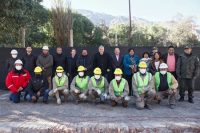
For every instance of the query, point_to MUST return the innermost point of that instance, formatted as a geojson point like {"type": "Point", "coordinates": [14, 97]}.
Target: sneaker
{"type": "Point", "coordinates": [181, 99]}
{"type": "Point", "coordinates": [190, 100]}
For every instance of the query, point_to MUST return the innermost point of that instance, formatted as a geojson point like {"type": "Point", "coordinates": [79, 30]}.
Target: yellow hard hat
{"type": "Point", "coordinates": [59, 69]}
{"type": "Point", "coordinates": [38, 69]}
{"type": "Point", "coordinates": [97, 71]}
{"type": "Point", "coordinates": [118, 71]}
{"type": "Point", "coordinates": [142, 64]}
{"type": "Point", "coordinates": [81, 68]}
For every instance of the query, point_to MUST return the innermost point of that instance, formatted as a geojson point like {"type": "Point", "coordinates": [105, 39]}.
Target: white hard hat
{"type": "Point", "coordinates": [45, 48]}
{"type": "Point", "coordinates": [18, 62]}
{"type": "Point", "coordinates": [14, 51]}
{"type": "Point", "coordinates": [163, 66]}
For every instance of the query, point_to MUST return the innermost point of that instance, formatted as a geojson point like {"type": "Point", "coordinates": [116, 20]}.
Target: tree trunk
{"type": "Point", "coordinates": [23, 37]}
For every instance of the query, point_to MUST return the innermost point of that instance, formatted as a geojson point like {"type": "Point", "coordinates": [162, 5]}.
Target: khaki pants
{"type": "Point", "coordinates": [49, 82]}
{"type": "Point", "coordinates": [144, 99]}
{"type": "Point", "coordinates": [58, 93]}
{"type": "Point", "coordinates": [77, 96]}
{"type": "Point", "coordinates": [165, 94]}
{"type": "Point", "coordinates": [114, 101]}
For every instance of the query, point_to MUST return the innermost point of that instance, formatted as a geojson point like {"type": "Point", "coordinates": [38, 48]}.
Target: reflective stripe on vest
{"type": "Point", "coordinates": [157, 80]}
{"type": "Point", "coordinates": [60, 81]}
{"type": "Point", "coordinates": [100, 85]}
{"type": "Point", "coordinates": [141, 84]}
{"type": "Point", "coordinates": [118, 89]}
{"type": "Point", "coordinates": [82, 83]}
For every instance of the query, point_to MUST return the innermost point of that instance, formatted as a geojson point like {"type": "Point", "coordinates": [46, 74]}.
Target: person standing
{"type": "Point", "coordinates": [85, 60]}
{"type": "Point", "coordinates": [59, 59]}
{"type": "Point", "coordinates": [29, 60]}
{"type": "Point", "coordinates": [45, 61]}
{"type": "Point", "coordinates": [155, 63]}
{"type": "Point", "coordinates": [72, 68]}
{"type": "Point", "coordinates": [10, 62]}
{"type": "Point", "coordinates": [171, 59]}
{"type": "Point", "coordinates": [17, 81]}
{"type": "Point", "coordinates": [130, 63]}
{"type": "Point", "coordinates": [102, 60]}
{"type": "Point", "coordinates": [187, 71]}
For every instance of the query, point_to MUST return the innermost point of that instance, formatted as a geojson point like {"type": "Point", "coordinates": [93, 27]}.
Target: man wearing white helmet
{"type": "Point", "coordinates": [17, 81]}
{"type": "Point", "coordinates": [45, 61]}
{"type": "Point", "coordinates": [10, 62]}
{"type": "Point", "coordinates": [166, 85]}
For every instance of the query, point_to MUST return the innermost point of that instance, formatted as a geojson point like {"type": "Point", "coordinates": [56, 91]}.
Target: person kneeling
{"type": "Point", "coordinates": [143, 87]}
{"type": "Point", "coordinates": [119, 89]}
{"type": "Point", "coordinates": [79, 85]}
{"type": "Point", "coordinates": [38, 86]}
{"type": "Point", "coordinates": [60, 85]}
{"type": "Point", "coordinates": [17, 81]}
{"type": "Point", "coordinates": [166, 85]}
{"type": "Point", "coordinates": [98, 86]}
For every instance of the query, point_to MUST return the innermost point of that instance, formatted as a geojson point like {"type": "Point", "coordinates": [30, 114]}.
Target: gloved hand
{"type": "Point", "coordinates": [77, 91]}
{"type": "Point", "coordinates": [55, 90]}
{"type": "Point", "coordinates": [99, 92]}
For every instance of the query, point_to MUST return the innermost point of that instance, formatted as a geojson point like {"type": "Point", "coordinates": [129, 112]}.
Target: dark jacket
{"type": "Point", "coordinates": [152, 67]}
{"type": "Point", "coordinates": [59, 60]}
{"type": "Point", "coordinates": [46, 62]}
{"type": "Point", "coordinates": [164, 58]}
{"type": "Point", "coordinates": [84, 61]}
{"type": "Point", "coordinates": [37, 83]}
{"type": "Point", "coordinates": [29, 62]}
{"type": "Point", "coordinates": [187, 66]}
{"type": "Point", "coordinates": [72, 68]}
{"type": "Point", "coordinates": [117, 63]}
{"type": "Point", "coordinates": [10, 64]}
{"type": "Point", "coordinates": [103, 62]}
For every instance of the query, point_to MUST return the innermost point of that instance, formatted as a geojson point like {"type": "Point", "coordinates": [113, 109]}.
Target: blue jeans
{"type": "Point", "coordinates": [15, 97]}
{"type": "Point", "coordinates": [44, 94]}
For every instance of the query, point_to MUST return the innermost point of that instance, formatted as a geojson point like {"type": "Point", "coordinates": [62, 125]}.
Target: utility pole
{"type": "Point", "coordinates": [130, 24]}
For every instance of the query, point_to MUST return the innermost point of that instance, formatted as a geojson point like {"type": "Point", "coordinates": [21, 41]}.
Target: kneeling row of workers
{"type": "Point", "coordinates": [145, 86]}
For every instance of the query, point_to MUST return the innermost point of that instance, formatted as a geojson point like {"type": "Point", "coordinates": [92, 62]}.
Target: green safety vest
{"type": "Point", "coordinates": [118, 90]}
{"type": "Point", "coordinates": [60, 81]}
{"type": "Point", "coordinates": [157, 80]}
{"type": "Point", "coordinates": [82, 83]}
{"type": "Point", "coordinates": [99, 86]}
{"type": "Point", "coordinates": [141, 84]}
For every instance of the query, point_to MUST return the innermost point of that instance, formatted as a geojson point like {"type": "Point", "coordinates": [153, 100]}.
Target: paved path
{"type": "Point", "coordinates": [87, 117]}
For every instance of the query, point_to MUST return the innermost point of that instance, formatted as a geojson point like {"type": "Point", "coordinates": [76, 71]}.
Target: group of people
{"type": "Point", "coordinates": [103, 77]}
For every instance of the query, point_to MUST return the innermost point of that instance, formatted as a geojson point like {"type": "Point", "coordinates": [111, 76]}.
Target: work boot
{"type": "Point", "coordinates": [125, 104]}
{"type": "Point", "coordinates": [58, 101]}
{"type": "Point", "coordinates": [113, 103]}
{"type": "Point", "coordinates": [190, 100]}
{"type": "Point", "coordinates": [181, 99]}
{"type": "Point", "coordinates": [159, 101]}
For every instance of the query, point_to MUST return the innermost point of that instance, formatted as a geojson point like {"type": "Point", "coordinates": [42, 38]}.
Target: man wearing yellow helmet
{"type": "Point", "coordinates": [119, 89]}
{"type": "Point", "coordinates": [143, 87]}
{"type": "Point", "coordinates": [79, 85]}
{"type": "Point", "coordinates": [60, 85]}
{"type": "Point", "coordinates": [38, 86]}
{"type": "Point", "coordinates": [98, 86]}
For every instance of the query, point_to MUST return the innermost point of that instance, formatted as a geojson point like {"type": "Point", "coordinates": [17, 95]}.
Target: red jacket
{"type": "Point", "coordinates": [15, 80]}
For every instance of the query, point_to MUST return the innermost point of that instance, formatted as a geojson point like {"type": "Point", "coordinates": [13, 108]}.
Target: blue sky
{"type": "Point", "coordinates": [152, 10]}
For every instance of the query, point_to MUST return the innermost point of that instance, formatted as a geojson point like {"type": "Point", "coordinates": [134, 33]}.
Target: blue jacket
{"type": "Point", "coordinates": [127, 62]}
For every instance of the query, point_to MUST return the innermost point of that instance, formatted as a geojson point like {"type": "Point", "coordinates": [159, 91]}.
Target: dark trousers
{"type": "Point", "coordinates": [174, 74]}
{"type": "Point", "coordinates": [129, 80]}
{"type": "Point", "coordinates": [186, 84]}
{"type": "Point", "coordinates": [44, 94]}
{"type": "Point", "coordinates": [15, 97]}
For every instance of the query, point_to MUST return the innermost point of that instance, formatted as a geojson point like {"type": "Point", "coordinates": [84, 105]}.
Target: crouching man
{"type": "Point", "coordinates": [60, 85]}
{"type": "Point", "coordinates": [17, 81]}
{"type": "Point", "coordinates": [143, 87]}
{"type": "Point", "coordinates": [166, 85]}
{"type": "Point", "coordinates": [38, 86]}
{"type": "Point", "coordinates": [79, 85]}
{"type": "Point", "coordinates": [98, 86]}
{"type": "Point", "coordinates": [119, 89]}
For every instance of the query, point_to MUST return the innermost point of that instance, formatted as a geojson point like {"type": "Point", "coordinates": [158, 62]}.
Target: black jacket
{"type": "Point", "coordinates": [60, 60]}
{"type": "Point", "coordinates": [187, 66]}
{"type": "Point", "coordinates": [84, 61]}
{"type": "Point", "coordinates": [29, 62]}
{"type": "Point", "coordinates": [10, 64]}
{"type": "Point", "coordinates": [37, 83]}
{"type": "Point", "coordinates": [103, 62]}
{"type": "Point", "coordinates": [117, 63]}
{"type": "Point", "coordinates": [72, 68]}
